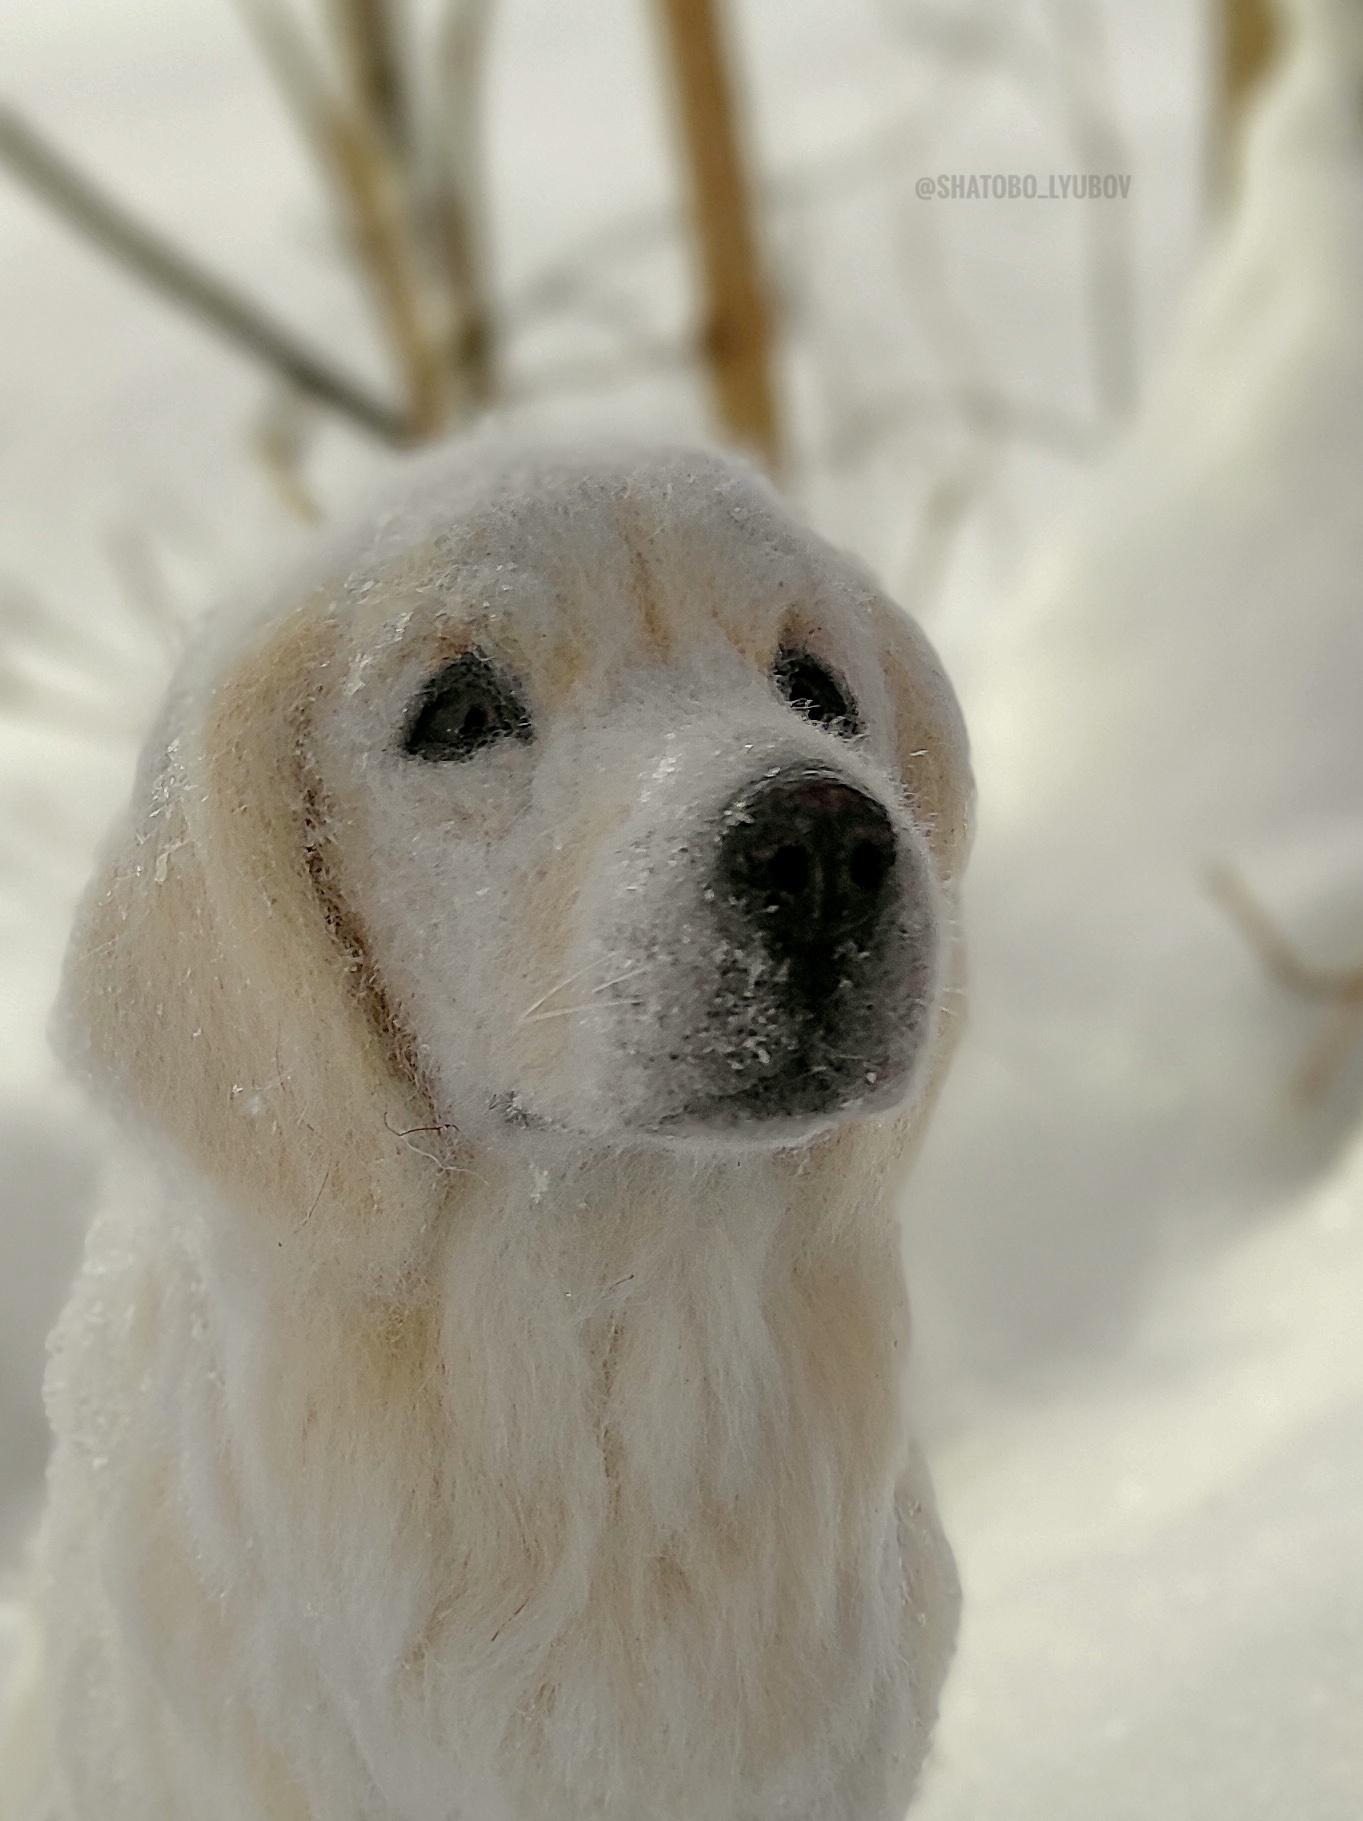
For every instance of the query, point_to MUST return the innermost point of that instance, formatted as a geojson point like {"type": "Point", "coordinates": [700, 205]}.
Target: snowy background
{"type": "Point", "coordinates": [1111, 453]}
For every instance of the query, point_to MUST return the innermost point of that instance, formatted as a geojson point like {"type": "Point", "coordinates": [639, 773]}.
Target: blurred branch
{"type": "Point", "coordinates": [1245, 40]}
{"type": "Point", "coordinates": [136, 562]}
{"type": "Point", "coordinates": [736, 339]}
{"type": "Point", "coordinates": [952, 497]}
{"type": "Point", "coordinates": [1092, 103]}
{"type": "Point", "coordinates": [1281, 961]}
{"type": "Point", "coordinates": [370, 34]}
{"type": "Point", "coordinates": [970, 408]}
{"type": "Point", "coordinates": [994, 38]}
{"type": "Point", "coordinates": [458, 190]}
{"type": "Point", "coordinates": [1248, 38]}
{"type": "Point", "coordinates": [366, 178]}
{"type": "Point", "coordinates": [985, 412]}
{"type": "Point", "coordinates": [50, 660]}
{"type": "Point", "coordinates": [281, 441]}
{"type": "Point", "coordinates": [178, 278]}
{"type": "Point", "coordinates": [1339, 989]}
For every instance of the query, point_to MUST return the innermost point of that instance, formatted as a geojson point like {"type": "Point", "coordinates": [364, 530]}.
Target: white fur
{"type": "Point", "coordinates": [412, 1462]}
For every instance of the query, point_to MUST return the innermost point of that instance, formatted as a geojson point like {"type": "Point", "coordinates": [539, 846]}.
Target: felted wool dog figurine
{"type": "Point", "coordinates": [522, 969]}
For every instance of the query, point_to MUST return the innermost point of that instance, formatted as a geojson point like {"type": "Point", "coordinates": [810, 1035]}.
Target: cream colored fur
{"type": "Point", "coordinates": [409, 1463]}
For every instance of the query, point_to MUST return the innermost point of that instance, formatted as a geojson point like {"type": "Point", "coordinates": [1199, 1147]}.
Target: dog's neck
{"type": "Point", "coordinates": [650, 1314]}
{"type": "Point", "coordinates": [636, 1410]}
{"type": "Point", "coordinates": [740, 1271]}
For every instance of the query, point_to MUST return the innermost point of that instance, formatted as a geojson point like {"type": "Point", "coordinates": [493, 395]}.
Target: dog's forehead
{"type": "Point", "coordinates": [597, 558]}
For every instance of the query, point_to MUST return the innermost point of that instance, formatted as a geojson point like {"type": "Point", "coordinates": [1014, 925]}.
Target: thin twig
{"type": "Point", "coordinates": [208, 299]}
{"type": "Point", "coordinates": [1337, 986]}
{"type": "Point", "coordinates": [585, 374]}
{"type": "Point", "coordinates": [737, 336]}
{"type": "Point", "coordinates": [136, 562]}
{"type": "Point", "coordinates": [1100, 147]}
{"type": "Point", "coordinates": [366, 179]}
{"type": "Point", "coordinates": [1248, 37]}
{"type": "Point", "coordinates": [1331, 1050]}
{"type": "Point", "coordinates": [952, 497]}
{"type": "Point", "coordinates": [384, 244]}
{"type": "Point", "coordinates": [1339, 989]}
{"type": "Point", "coordinates": [457, 200]}
{"type": "Point", "coordinates": [281, 440]}
{"type": "Point", "coordinates": [370, 34]}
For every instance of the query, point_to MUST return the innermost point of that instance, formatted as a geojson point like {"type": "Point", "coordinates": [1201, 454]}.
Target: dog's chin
{"type": "Point", "coordinates": [777, 1113]}
{"type": "Point", "coordinates": [770, 1113]}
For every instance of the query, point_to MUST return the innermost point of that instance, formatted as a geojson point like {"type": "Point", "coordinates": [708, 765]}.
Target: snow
{"type": "Point", "coordinates": [1135, 1247]}
{"type": "Point", "coordinates": [1164, 1612]}
{"type": "Point", "coordinates": [1176, 688]}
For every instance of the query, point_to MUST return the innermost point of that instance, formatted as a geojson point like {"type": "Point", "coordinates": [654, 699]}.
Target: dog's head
{"type": "Point", "coordinates": [584, 793]}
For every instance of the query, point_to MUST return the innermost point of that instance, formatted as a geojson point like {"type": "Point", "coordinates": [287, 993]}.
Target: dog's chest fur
{"type": "Point", "coordinates": [610, 1513]}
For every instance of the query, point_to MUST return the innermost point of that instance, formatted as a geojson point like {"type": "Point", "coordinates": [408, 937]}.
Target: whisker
{"type": "Point", "coordinates": [568, 980]}
{"type": "Point", "coordinates": [543, 999]}
{"type": "Point", "coordinates": [572, 1011]}
{"type": "Point", "coordinates": [632, 974]}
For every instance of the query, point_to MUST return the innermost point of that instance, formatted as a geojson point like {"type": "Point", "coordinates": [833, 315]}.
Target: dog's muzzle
{"type": "Point", "coordinates": [823, 959]}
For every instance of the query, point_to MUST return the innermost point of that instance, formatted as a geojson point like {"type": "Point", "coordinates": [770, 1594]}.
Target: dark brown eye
{"type": "Point", "coordinates": [812, 688]}
{"type": "Point", "coordinates": [465, 708]}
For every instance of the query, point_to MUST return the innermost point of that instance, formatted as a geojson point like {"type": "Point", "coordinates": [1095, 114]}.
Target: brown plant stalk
{"type": "Point", "coordinates": [366, 178]}
{"type": "Point", "coordinates": [736, 336]}
{"type": "Point", "coordinates": [1340, 989]}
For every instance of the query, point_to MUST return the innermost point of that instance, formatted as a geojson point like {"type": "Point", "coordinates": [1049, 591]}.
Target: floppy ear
{"type": "Point", "coordinates": [930, 741]}
{"type": "Point", "coordinates": [212, 991]}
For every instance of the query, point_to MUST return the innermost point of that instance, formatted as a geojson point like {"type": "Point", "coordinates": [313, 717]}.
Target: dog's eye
{"type": "Point", "coordinates": [812, 688]}
{"type": "Point", "coordinates": [468, 706]}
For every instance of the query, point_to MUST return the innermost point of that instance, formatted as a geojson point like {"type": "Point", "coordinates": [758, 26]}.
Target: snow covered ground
{"type": "Point", "coordinates": [1138, 1245]}
{"type": "Point", "coordinates": [1164, 1605]}
{"type": "Point", "coordinates": [1137, 1251]}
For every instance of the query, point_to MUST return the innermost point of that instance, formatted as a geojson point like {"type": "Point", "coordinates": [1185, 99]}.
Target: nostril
{"type": "Point", "coordinates": [789, 871]}
{"type": "Point", "coordinates": [867, 865]}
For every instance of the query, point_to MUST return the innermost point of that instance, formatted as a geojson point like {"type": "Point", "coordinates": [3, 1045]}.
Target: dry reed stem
{"type": "Point", "coordinates": [736, 340]}
{"type": "Point", "coordinates": [1340, 989]}
{"type": "Point", "coordinates": [366, 178]}
{"type": "Point", "coordinates": [380, 224]}
{"type": "Point", "coordinates": [1091, 102]}
{"type": "Point", "coordinates": [1248, 39]}
{"type": "Point", "coordinates": [1281, 961]}
{"type": "Point", "coordinates": [370, 34]}
{"type": "Point", "coordinates": [280, 440]}
{"type": "Point", "coordinates": [174, 275]}
{"type": "Point", "coordinates": [457, 191]}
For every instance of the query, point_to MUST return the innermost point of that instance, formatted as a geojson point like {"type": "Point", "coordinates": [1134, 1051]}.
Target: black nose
{"type": "Point", "coordinates": [808, 858]}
